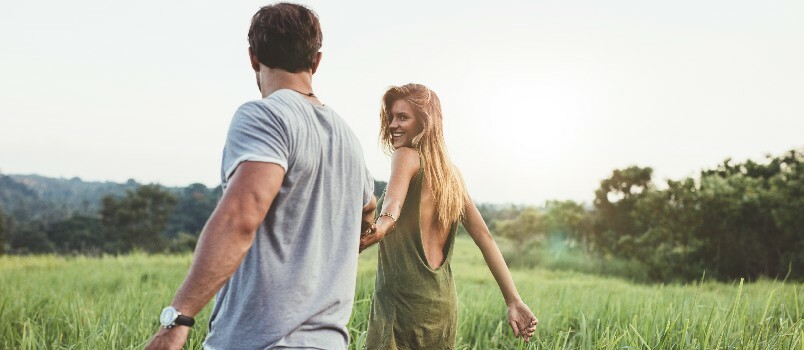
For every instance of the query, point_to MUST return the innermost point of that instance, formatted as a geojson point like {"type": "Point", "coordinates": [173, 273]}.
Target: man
{"type": "Point", "coordinates": [281, 247]}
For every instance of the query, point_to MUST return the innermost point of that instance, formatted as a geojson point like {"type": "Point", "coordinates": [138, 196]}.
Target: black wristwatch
{"type": "Point", "coordinates": [171, 317]}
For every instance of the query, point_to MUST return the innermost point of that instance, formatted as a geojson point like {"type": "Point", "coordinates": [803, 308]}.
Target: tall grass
{"type": "Point", "coordinates": [51, 302]}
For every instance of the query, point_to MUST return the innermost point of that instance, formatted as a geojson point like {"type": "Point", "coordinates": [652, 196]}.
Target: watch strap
{"type": "Point", "coordinates": [184, 321]}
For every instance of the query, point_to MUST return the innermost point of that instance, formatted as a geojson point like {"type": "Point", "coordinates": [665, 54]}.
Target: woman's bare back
{"type": "Point", "coordinates": [434, 238]}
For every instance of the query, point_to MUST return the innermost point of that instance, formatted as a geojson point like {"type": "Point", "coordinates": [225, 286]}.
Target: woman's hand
{"type": "Point", "coordinates": [521, 320]}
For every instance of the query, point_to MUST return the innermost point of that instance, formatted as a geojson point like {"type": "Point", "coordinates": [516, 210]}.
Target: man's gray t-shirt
{"type": "Point", "coordinates": [295, 287]}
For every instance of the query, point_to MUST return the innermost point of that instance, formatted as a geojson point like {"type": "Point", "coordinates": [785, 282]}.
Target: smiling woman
{"type": "Point", "coordinates": [420, 211]}
{"type": "Point", "coordinates": [405, 129]}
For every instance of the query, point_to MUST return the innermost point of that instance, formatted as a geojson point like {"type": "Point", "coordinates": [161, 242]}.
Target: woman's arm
{"type": "Point", "coordinates": [404, 165]}
{"type": "Point", "coordinates": [520, 318]}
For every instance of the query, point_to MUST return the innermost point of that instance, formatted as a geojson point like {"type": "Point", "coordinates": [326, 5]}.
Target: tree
{"type": "Point", "coordinates": [570, 220]}
{"type": "Point", "coordinates": [80, 234]}
{"type": "Point", "coordinates": [737, 220]}
{"type": "Point", "coordinates": [528, 225]}
{"type": "Point", "coordinates": [615, 201]}
{"type": "Point", "coordinates": [136, 220]}
{"type": "Point", "coordinates": [195, 204]}
{"type": "Point", "coordinates": [30, 238]}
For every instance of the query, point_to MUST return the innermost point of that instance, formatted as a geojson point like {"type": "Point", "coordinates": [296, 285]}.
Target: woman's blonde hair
{"type": "Point", "coordinates": [446, 183]}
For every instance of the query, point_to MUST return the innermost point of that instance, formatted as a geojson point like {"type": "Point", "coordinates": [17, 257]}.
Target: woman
{"type": "Point", "coordinates": [415, 302]}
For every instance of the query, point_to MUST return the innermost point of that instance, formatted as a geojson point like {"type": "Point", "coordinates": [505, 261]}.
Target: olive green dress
{"type": "Point", "coordinates": [414, 306]}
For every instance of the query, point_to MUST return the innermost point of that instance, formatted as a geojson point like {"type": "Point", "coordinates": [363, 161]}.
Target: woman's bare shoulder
{"type": "Point", "coordinates": [406, 160]}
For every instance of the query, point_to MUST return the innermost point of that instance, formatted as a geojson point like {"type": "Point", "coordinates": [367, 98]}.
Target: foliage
{"type": "Point", "coordinates": [79, 234]}
{"type": "Point", "coordinates": [30, 238]}
{"type": "Point", "coordinates": [73, 206]}
{"type": "Point", "coordinates": [23, 203]}
{"type": "Point", "coordinates": [195, 204]}
{"type": "Point", "coordinates": [529, 225]}
{"type": "Point", "coordinates": [571, 221]}
{"type": "Point", "coordinates": [183, 242]}
{"type": "Point", "coordinates": [615, 200]}
{"type": "Point", "coordinates": [34, 197]}
{"type": "Point", "coordinates": [737, 220]}
{"type": "Point", "coordinates": [136, 220]}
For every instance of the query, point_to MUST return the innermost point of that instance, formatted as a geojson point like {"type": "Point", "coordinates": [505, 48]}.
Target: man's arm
{"type": "Point", "coordinates": [224, 241]}
{"type": "Point", "coordinates": [367, 226]}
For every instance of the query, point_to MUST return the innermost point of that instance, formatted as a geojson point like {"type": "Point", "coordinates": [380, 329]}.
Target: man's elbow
{"type": "Point", "coordinates": [246, 226]}
{"type": "Point", "coordinates": [238, 226]}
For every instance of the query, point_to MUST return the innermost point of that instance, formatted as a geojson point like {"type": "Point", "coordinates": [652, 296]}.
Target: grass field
{"type": "Point", "coordinates": [50, 302]}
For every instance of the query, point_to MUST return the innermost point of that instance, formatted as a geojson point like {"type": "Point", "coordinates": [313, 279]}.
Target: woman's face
{"type": "Point", "coordinates": [404, 126]}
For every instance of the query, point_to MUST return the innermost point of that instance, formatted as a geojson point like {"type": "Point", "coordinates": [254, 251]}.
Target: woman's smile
{"type": "Point", "coordinates": [404, 125]}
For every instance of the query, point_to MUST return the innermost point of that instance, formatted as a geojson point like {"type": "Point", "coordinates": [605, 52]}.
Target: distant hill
{"type": "Point", "coordinates": [35, 197]}
{"type": "Point", "coordinates": [26, 198]}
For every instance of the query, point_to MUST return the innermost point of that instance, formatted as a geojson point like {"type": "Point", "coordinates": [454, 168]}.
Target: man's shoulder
{"type": "Point", "coordinates": [258, 111]}
{"type": "Point", "coordinates": [279, 104]}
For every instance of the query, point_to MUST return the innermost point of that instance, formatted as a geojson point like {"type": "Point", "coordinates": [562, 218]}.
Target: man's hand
{"type": "Point", "coordinates": [369, 239]}
{"type": "Point", "coordinates": [380, 228]}
{"type": "Point", "coordinates": [521, 320]}
{"type": "Point", "coordinates": [169, 338]}
{"type": "Point", "coordinates": [367, 223]}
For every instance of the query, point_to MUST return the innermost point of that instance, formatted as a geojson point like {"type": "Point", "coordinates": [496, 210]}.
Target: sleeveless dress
{"type": "Point", "coordinates": [414, 306]}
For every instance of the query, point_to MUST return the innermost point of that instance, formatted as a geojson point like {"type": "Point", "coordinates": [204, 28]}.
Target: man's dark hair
{"type": "Point", "coordinates": [286, 36]}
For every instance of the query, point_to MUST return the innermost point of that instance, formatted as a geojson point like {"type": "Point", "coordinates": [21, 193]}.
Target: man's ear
{"type": "Point", "coordinates": [316, 61]}
{"type": "Point", "coordinates": [255, 62]}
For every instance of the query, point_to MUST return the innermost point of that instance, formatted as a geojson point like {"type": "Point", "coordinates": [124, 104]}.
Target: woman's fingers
{"type": "Point", "coordinates": [524, 330]}
{"type": "Point", "coordinates": [515, 328]}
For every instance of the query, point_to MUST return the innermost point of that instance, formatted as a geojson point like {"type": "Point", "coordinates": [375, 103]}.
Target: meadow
{"type": "Point", "coordinates": [113, 302]}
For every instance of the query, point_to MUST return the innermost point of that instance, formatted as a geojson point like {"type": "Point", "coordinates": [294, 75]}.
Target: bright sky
{"type": "Point", "coordinates": [542, 99]}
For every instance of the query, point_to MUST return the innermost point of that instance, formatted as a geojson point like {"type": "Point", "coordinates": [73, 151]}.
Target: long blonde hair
{"type": "Point", "coordinates": [446, 183]}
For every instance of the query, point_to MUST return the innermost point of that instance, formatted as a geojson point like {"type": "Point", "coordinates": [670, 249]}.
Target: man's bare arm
{"type": "Point", "coordinates": [229, 233]}
{"type": "Point", "coordinates": [224, 241]}
{"type": "Point", "coordinates": [368, 216]}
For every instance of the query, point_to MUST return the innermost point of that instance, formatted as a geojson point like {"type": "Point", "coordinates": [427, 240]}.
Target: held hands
{"type": "Point", "coordinates": [169, 338]}
{"type": "Point", "coordinates": [521, 320]}
{"type": "Point", "coordinates": [375, 233]}
{"type": "Point", "coordinates": [369, 237]}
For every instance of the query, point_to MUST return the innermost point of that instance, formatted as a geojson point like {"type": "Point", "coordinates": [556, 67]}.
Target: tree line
{"type": "Point", "coordinates": [734, 220]}
{"type": "Point", "coordinates": [737, 220]}
{"type": "Point", "coordinates": [149, 218]}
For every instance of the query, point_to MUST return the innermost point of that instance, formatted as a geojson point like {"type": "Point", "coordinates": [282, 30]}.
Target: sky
{"type": "Point", "coordinates": [541, 99]}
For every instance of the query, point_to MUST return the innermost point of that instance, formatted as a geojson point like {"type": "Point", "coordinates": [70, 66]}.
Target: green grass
{"type": "Point", "coordinates": [52, 302]}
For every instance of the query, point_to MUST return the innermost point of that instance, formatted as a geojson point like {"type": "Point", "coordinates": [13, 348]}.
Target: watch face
{"type": "Point", "coordinates": [169, 315]}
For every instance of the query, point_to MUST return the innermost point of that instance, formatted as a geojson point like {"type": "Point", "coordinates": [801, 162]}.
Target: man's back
{"type": "Point", "coordinates": [295, 286]}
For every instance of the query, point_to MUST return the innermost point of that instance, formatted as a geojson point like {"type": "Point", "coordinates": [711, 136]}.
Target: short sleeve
{"type": "Point", "coordinates": [255, 134]}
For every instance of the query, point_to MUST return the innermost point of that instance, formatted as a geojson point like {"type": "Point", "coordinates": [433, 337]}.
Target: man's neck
{"type": "Point", "coordinates": [273, 79]}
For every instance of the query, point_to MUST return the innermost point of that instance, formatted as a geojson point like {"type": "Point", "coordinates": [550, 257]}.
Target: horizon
{"type": "Point", "coordinates": [659, 183]}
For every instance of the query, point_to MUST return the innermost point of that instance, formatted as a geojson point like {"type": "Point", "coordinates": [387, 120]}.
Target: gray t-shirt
{"type": "Point", "coordinates": [295, 287]}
